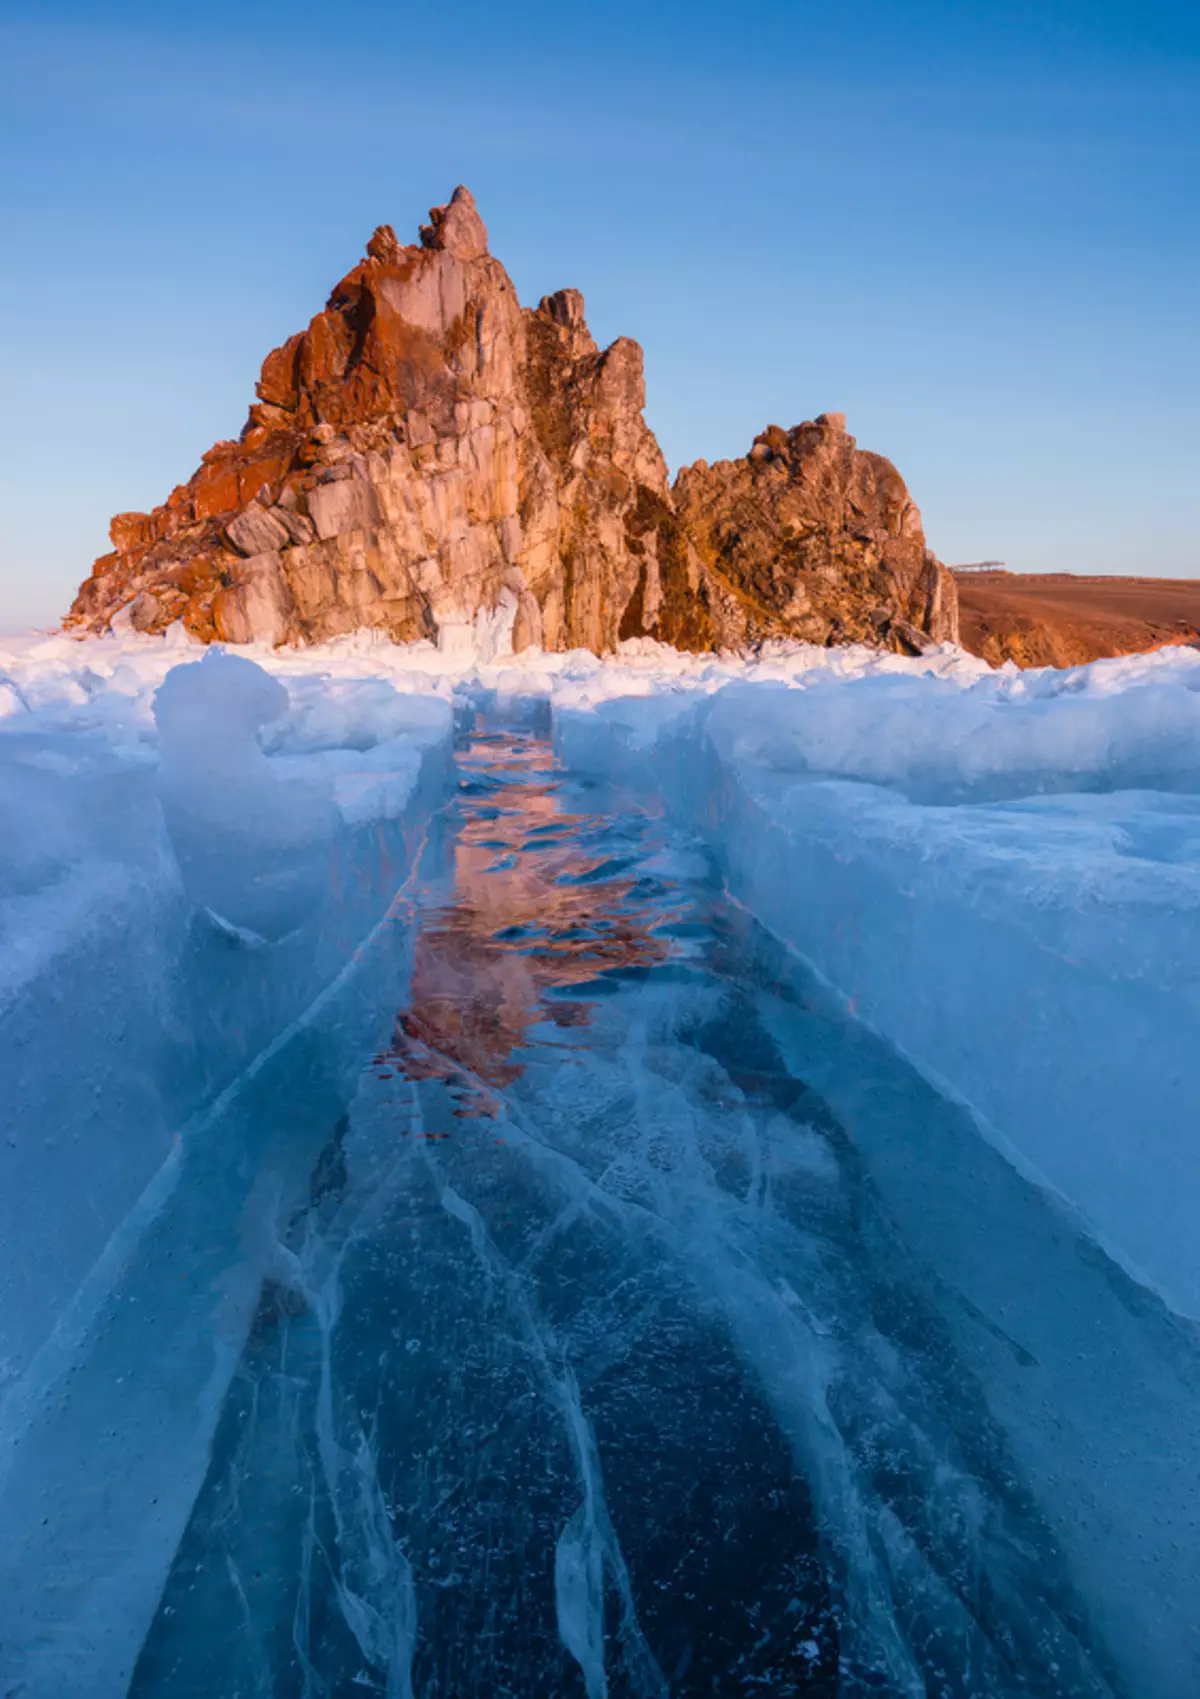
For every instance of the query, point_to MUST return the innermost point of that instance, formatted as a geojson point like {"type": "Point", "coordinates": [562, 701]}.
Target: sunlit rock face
{"type": "Point", "coordinates": [430, 459]}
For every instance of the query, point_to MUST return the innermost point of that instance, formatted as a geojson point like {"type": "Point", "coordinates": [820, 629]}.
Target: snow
{"type": "Point", "coordinates": [341, 687]}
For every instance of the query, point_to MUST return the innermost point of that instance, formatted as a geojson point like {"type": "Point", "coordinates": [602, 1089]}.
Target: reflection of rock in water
{"type": "Point", "coordinates": [538, 906]}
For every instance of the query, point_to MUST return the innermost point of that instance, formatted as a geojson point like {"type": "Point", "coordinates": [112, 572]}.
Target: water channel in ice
{"type": "Point", "coordinates": [648, 1327]}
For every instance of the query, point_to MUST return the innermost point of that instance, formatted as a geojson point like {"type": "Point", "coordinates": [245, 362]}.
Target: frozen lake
{"type": "Point", "coordinates": [641, 1325]}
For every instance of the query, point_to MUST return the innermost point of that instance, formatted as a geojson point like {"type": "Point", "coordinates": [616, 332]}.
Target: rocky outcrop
{"type": "Point", "coordinates": [809, 537]}
{"type": "Point", "coordinates": [429, 458]}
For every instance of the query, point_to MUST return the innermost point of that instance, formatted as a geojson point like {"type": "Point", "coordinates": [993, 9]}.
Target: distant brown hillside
{"type": "Point", "coordinates": [1058, 619]}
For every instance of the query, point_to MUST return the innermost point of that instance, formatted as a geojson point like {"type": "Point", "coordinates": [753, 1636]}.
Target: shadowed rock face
{"type": "Point", "coordinates": [429, 456]}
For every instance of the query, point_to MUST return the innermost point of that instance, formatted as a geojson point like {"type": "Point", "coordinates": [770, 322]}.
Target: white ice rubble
{"type": "Point", "coordinates": [999, 871]}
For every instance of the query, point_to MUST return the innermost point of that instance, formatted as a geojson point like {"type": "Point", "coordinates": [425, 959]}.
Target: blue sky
{"type": "Point", "coordinates": [973, 228]}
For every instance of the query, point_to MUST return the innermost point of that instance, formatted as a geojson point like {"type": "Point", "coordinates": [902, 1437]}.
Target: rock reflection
{"type": "Point", "coordinates": [543, 902]}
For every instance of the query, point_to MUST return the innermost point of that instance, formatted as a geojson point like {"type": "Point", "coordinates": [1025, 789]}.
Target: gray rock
{"type": "Point", "coordinates": [347, 505]}
{"type": "Point", "coordinates": [297, 525]}
{"type": "Point", "coordinates": [257, 532]}
{"type": "Point", "coordinates": [144, 611]}
{"type": "Point", "coordinates": [256, 608]}
{"type": "Point", "coordinates": [909, 640]}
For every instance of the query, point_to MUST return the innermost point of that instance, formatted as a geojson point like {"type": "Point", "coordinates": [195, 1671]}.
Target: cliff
{"type": "Point", "coordinates": [428, 454]}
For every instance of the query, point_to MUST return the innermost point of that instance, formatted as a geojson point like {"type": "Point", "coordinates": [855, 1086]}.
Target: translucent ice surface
{"type": "Point", "coordinates": [704, 1206]}
{"type": "Point", "coordinates": [629, 1319]}
{"type": "Point", "coordinates": [172, 894]}
{"type": "Point", "coordinates": [1005, 908]}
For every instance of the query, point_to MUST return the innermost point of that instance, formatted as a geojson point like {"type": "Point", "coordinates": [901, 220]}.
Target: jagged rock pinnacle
{"type": "Point", "coordinates": [428, 450]}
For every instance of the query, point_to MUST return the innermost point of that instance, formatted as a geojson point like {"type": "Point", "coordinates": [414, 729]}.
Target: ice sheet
{"type": "Point", "coordinates": [1017, 908]}
{"type": "Point", "coordinates": [996, 871]}
{"type": "Point", "coordinates": [997, 868]}
{"type": "Point", "coordinates": [170, 897]}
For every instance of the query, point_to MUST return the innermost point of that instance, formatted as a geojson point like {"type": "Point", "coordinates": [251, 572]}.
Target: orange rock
{"type": "Point", "coordinates": [215, 489]}
{"type": "Point", "coordinates": [278, 381]}
{"type": "Point", "coordinates": [131, 531]}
